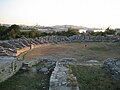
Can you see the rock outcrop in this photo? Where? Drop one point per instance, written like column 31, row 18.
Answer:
column 113, row 67
column 8, row 67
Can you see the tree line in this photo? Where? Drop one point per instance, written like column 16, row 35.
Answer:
column 14, row 31
column 108, row 31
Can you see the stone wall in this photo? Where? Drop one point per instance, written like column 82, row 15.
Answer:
column 88, row 38
column 113, row 67
column 20, row 51
column 20, row 45
column 8, row 67
column 36, row 46
column 62, row 78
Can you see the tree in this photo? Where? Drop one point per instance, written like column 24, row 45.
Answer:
column 109, row 31
column 71, row 32
column 34, row 33
column 97, row 33
column 13, row 31
column 2, row 32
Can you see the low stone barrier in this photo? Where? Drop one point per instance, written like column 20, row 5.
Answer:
column 62, row 78
column 20, row 51
column 20, row 45
column 113, row 67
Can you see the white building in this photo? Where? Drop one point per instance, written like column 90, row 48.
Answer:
column 99, row 30
column 82, row 30
column 90, row 30
column 53, row 30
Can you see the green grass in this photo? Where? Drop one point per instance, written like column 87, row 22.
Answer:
column 94, row 78
column 98, row 49
column 103, row 46
column 26, row 81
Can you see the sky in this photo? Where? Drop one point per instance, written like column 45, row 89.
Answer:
column 90, row 13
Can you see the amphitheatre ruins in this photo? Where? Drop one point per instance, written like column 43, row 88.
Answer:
column 56, row 55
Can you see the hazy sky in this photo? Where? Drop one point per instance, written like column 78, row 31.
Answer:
column 92, row 13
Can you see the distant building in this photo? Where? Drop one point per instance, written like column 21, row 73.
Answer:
column 99, row 30
column 82, row 30
column 85, row 30
column 51, row 30
column 91, row 30
column 25, row 30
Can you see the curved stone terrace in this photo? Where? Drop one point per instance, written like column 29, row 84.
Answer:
column 13, row 48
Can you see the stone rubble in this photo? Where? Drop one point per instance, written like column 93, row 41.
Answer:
column 46, row 67
column 62, row 77
column 112, row 66
column 8, row 67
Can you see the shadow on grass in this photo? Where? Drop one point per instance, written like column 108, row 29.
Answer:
column 26, row 81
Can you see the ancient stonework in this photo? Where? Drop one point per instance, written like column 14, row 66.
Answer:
column 113, row 67
column 17, row 46
column 8, row 67
column 62, row 77
column 9, row 49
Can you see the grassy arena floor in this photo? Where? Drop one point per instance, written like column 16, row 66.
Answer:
column 94, row 51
